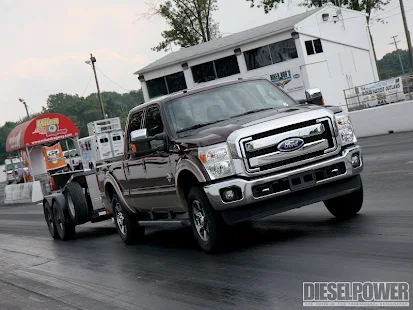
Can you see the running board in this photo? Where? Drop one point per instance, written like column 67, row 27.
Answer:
column 184, row 223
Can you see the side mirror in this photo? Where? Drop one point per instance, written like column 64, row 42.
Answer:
column 314, row 96
column 138, row 135
column 141, row 143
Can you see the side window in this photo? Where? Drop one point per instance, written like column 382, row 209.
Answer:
column 135, row 123
column 154, row 123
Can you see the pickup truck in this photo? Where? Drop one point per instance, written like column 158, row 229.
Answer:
column 235, row 151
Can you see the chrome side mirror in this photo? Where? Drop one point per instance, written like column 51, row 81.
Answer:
column 137, row 135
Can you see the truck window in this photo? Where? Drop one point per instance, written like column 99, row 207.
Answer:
column 135, row 123
column 154, row 123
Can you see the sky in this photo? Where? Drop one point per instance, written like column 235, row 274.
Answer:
column 44, row 44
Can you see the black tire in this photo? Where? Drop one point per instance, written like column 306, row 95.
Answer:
column 76, row 203
column 126, row 223
column 346, row 206
column 207, row 224
column 63, row 223
column 48, row 216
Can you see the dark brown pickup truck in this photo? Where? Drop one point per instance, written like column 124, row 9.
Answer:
column 219, row 155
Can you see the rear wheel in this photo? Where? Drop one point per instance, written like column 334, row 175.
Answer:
column 126, row 223
column 48, row 216
column 207, row 224
column 346, row 206
column 64, row 224
column 76, row 203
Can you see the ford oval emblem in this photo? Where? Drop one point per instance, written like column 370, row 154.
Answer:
column 296, row 76
column 290, row 145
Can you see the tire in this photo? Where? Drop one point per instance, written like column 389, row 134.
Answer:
column 207, row 224
column 126, row 223
column 76, row 203
column 346, row 206
column 64, row 224
column 48, row 216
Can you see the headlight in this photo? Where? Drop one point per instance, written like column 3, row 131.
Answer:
column 217, row 160
column 345, row 129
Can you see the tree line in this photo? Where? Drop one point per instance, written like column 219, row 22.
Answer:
column 81, row 110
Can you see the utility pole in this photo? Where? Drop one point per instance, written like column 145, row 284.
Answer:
column 25, row 105
column 92, row 63
column 406, row 30
column 398, row 52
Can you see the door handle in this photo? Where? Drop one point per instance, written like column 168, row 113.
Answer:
column 127, row 168
column 144, row 164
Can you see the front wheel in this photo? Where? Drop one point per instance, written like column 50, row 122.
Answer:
column 207, row 224
column 346, row 206
column 126, row 223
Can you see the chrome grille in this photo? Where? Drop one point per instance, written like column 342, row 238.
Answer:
column 261, row 153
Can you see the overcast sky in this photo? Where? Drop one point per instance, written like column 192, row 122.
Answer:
column 44, row 44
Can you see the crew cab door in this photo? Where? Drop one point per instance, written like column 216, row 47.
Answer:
column 158, row 189
column 133, row 164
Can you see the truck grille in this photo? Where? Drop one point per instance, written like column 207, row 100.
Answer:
column 261, row 152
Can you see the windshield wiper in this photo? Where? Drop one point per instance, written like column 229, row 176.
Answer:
column 199, row 125
column 253, row 111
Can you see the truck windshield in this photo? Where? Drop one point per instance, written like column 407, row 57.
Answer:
column 224, row 102
column 14, row 166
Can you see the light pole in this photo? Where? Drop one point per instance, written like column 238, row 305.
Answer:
column 25, row 105
column 92, row 63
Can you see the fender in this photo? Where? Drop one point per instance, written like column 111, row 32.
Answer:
column 109, row 179
column 189, row 165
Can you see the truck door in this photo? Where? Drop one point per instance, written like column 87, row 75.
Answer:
column 132, row 165
column 158, row 189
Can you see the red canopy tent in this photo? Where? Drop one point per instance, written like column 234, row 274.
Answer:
column 44, row 129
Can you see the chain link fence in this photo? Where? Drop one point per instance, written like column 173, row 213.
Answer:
column 379, row 93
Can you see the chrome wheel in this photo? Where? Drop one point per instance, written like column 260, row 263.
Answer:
column 200, row 220
column 120, row 219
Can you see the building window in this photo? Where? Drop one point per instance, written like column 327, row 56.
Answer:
column 216, row 69
column 176, row 82
column 313, row 47
column 271, row 54
column 157, row 87
column 204, row 72
column 283, row 51
column 166, row 84
column 226, row 66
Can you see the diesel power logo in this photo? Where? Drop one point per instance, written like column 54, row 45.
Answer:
column 49, row 127
column 356, row 294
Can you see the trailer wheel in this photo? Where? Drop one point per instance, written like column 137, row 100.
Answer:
column 76, row 203
column 63, row 223
column 48, row 216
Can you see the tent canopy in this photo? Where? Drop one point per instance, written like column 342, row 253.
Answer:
column 44, row 129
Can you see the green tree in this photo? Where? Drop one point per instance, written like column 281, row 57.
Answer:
column 190, row 22
column 389, row 65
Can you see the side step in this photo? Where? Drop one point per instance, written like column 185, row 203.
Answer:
column 182, row 222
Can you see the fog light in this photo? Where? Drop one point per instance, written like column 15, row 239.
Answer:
column 355, row 160
column 229, row 194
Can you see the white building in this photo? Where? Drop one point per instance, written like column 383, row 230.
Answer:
column 327, row 48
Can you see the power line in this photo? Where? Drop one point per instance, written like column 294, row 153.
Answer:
column 87, row 85
column 112, row 80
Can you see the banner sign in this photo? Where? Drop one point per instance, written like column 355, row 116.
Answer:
column 54, row 157
column 381, row 92
column 289, row 80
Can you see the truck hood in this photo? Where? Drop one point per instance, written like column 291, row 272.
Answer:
column 219, row 132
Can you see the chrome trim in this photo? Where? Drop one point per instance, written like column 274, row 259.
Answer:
column 213, row 190
column 280, row 156
column 303, row 132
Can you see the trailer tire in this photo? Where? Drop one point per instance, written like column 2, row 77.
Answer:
column 63, row 223
column 76, row 203
column 48, row 216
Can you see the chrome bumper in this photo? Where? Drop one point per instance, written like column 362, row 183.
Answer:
column 246, row 186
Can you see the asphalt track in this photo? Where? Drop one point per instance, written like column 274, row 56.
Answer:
column 263, row 268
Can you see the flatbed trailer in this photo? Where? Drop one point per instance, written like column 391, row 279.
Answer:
column 77, row 202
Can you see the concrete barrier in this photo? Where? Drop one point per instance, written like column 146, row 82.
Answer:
column 395, row 117
column 23, row 193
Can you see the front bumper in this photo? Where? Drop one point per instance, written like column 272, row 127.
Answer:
column 246, row 187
